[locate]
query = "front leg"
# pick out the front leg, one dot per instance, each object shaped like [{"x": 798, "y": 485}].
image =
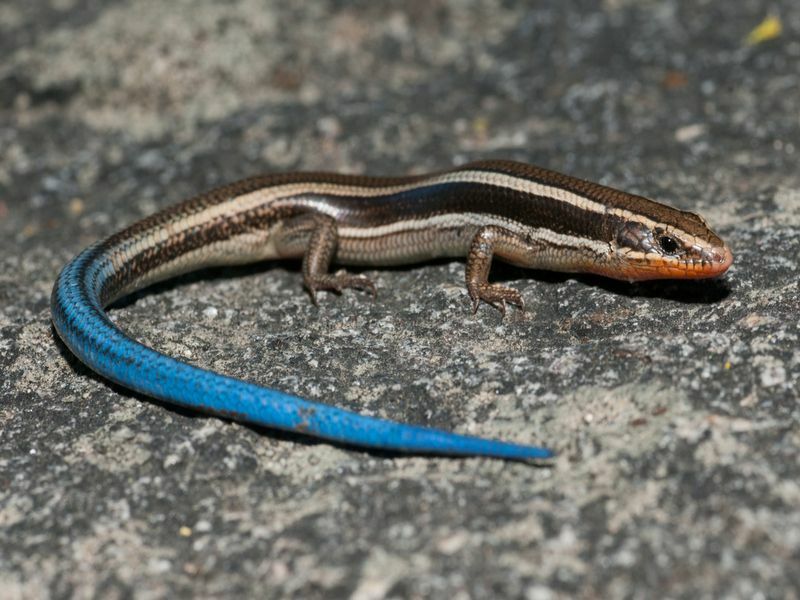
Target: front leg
[{"x": 488, "y": 242}]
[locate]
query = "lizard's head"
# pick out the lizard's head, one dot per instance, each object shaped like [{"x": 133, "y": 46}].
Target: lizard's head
[{"x": 666, "y": 244}]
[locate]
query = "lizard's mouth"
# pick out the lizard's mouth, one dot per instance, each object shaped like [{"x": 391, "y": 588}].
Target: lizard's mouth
[{"x": 705, "y": 264}]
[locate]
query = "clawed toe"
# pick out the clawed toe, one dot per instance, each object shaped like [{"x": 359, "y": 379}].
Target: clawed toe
[
  {"x": 497, "y": 295},
  {"x": 338, "y": 282}
]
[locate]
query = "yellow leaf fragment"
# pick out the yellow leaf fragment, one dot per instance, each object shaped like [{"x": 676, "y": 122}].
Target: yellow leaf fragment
[{"x": 770, "y": 28}]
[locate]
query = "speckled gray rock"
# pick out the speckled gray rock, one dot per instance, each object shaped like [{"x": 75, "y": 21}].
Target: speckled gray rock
[{"x": 674, "y": 407}]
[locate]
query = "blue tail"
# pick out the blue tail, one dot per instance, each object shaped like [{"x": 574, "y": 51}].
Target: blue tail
[{"x": 91, "y": 336}]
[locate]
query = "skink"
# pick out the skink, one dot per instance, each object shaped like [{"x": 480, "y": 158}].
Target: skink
[{"x": 514, "y": 212}]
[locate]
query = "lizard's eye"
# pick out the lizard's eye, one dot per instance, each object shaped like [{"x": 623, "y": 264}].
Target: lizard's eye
[{"x": 668, "y": 244}]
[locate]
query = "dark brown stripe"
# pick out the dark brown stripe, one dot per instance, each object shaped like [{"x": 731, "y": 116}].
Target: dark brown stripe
[
  {"x": 217, "y": 230},
  {"x": 457, "y": 198},
  {"x": 638, "y": 205}
]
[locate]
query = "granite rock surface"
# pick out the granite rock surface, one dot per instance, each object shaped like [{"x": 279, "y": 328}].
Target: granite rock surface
[{"x": 674, "y": 408}]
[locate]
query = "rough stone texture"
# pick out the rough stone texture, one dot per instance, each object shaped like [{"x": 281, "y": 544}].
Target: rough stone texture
[{"x": 674, "y": 407}]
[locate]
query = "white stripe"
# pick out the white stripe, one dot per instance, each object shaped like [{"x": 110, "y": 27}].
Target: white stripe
[
  {"x": 246, "y": 202},
  {"x": 447, "y": 220},
  {"x": 444, "y": 220},
  {"x": 257, "y": 246}
]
